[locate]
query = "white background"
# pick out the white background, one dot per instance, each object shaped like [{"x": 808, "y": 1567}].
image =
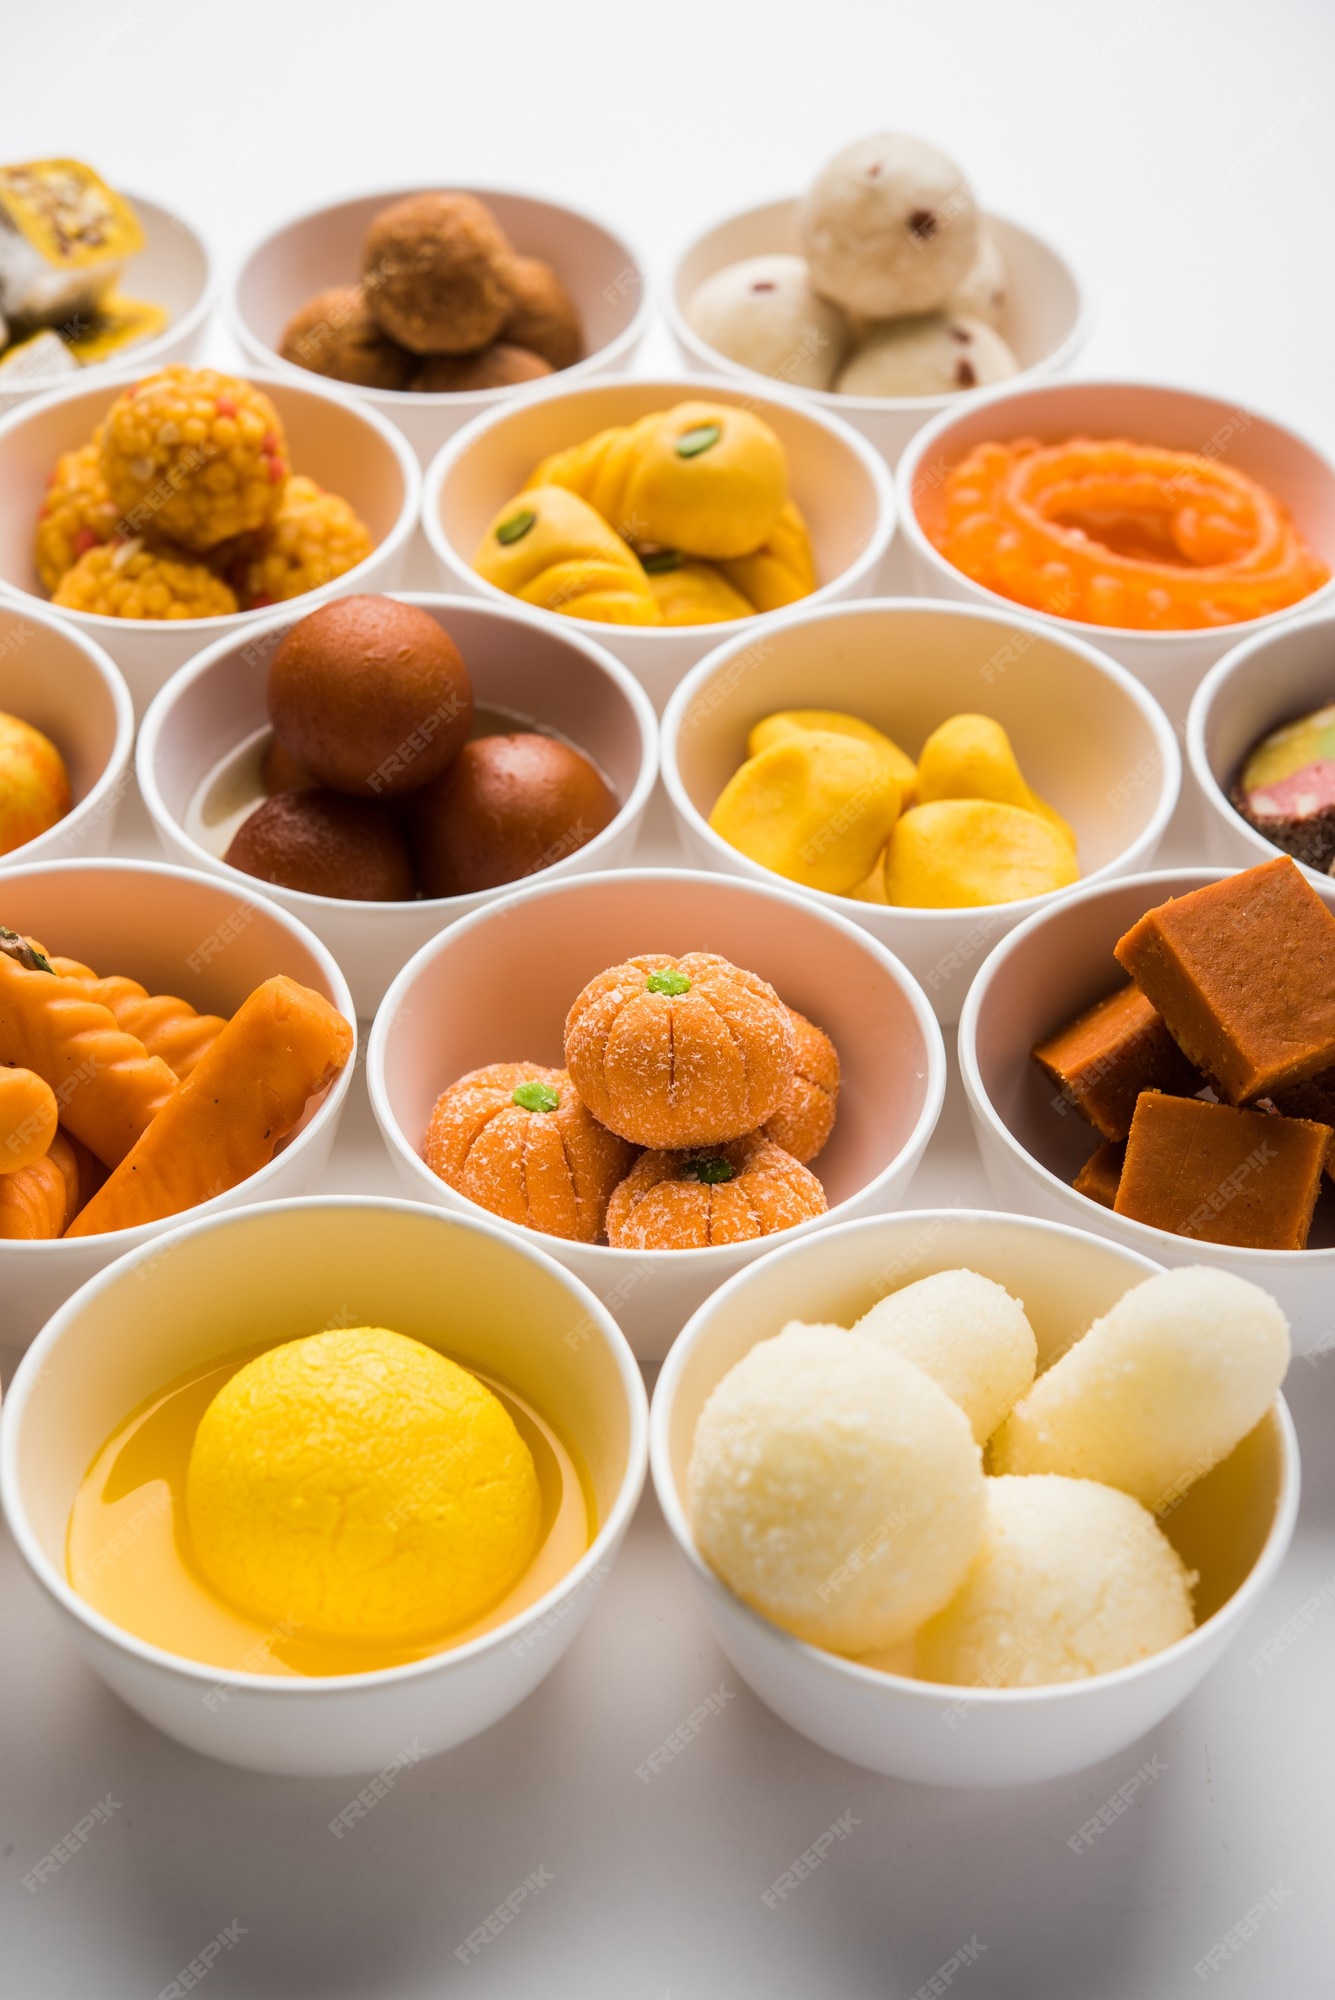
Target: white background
[{"x": 1184, "y": 153}]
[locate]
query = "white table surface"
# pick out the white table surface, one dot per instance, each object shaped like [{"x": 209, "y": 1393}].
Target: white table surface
[{"x": 1183, "y": 151}]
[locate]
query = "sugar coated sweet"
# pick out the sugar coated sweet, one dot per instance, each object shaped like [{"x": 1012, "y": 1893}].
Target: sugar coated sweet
[
  {"x": 889, "y": 226},
  {"x": 968, "y": 1334},
  {"x": 765, "y": 313}
]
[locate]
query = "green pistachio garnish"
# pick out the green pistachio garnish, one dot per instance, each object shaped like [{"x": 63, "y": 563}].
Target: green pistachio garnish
[
  {"x": 25, "y": 954},
  {"x": 535, "y": 1096},
  {"x": 691, "y": 443},
  {"x": 515, "y": 527},
  {"x": 659, "y": 561},
  {"x": 667, "y": 982},
  {"x": 712, "y": 1172}
]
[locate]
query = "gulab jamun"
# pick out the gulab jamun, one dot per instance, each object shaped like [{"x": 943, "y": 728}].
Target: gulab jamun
[
  {"x": 499, "y": 366},
  {"x": 325, "y": 844},
  {"x": 280, "y": 772},
  {"x": 370, "y": 696},
  {"x": 438, "y": 273},
  {"x": 506, "y": 807}
]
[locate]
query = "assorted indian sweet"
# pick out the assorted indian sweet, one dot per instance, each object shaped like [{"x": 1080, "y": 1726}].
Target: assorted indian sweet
[
  {"x": 1210, "y": 1078},
  {"x": 444, "y": 303},
  {"x": 382, "y": 780},
  {"x": 912, "y": 1493},
  {"x": 900, "y": 288},
  {"x": 681, "y": 518},
  {"x": 34, "y": 783},
  {"x": 337, "y": 1503},
  {"x": 65, "y": 240},
  {"x": 829, "y": 801},
  {"x": 183, "y": 504},
  {"x": 1111, "y": 531},
  {"x": 156, "y": 1107},
  {"x": 691, "y": 1104},
  {"x": 1286, "y": 788}
]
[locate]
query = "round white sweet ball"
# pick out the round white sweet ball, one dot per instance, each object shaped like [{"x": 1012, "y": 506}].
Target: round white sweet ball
[
  {"x": 764, "y": 314},
  {"x": 984, "y": 289},
  {"x": 889, "y": 226},
  {"x": 834, "y": 1487},
  {"x": 929, "y": 356},
  {"x": 968, "y": 1334}
]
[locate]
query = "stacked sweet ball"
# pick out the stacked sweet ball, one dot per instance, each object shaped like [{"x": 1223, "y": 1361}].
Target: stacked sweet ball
[
  {"x": 1211, "y": 1077},
  {"x": 899, "y": 290},
  {"x": 376, "y": 791},
  {"x": 120, "y": 1107},
  {"x": 34, "y": 783},
  {"x": 690, "y": 1105},
  {"x": 907, "y": 1494},
  {"x": 827, "y": 800},
  {"x": 184, "y": 505},
  {"x": 444, "y": 303},
  {"x": 682, "y": 518}
]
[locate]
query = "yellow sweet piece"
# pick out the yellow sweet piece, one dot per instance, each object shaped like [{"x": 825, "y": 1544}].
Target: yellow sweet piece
[
  {"x": 127, "y": 579},
  {"x": 550, "y": 548},
  {"x": 600, "y": 468},
  {"x": 815, "y": 807},
  {"x": 119, "y": 322},
  {"x": 782, "y": 569},
  {"x": 694, "y": 593},
  {"x": 961, "y": 853},
  {"x": 193, "y": 456},
  {"x": 77, "y": 514},
  {"x": 873, "y": 889},
  {"x": 311, "y": 538},
  {"x": 786, "y": 722},
  {"x": 360, "y": 1485},
  {"x": 970, "y": 757}
]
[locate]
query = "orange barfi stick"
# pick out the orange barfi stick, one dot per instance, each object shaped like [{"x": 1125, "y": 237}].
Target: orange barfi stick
[
  {"x": 166, "y": 1026},
  {"x": 34, "y": 1202},
  {"x": 107, "y": 1085},
  {"x": 282, "y": 1047},
  {"x": 28, "y": 1114}
]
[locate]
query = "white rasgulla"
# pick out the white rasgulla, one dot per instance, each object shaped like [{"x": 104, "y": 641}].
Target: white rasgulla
[
  {"x": 1158, "y": 1391},
  {"x": 928, "y": 356},
  {"x": 835, "y": 1488},
  {"x": 764, "y": 314},
  {"x": 968, "y": 1334},
  {"x": 889, "y": 226},
  {"x": 1072, "y": 1579}
]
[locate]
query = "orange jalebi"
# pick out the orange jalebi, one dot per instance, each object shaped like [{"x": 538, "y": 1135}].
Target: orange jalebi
[{"x": 1116, "y": 533}]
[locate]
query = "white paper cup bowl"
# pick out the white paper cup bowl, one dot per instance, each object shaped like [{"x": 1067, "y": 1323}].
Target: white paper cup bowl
[
  {"x": 1047, "y": 971},
  {"x": 174, "y": 269},
  {"x": 1234, "y": 1526},
  {"x": 65, "y": 685},
  {"x": 1271, "y": 679},
  {"x": 1046, "y": 321},
  {"x": 269, "y": 1273},
  {"x": 176, "y": 932},
  {"x": 346, "y": 447},
  {"x": 497, "y": 988},
  {"x": 836, "y": 479},
  {"x": 1089, "y": 739},
  {"x": 1170, "y": 664},
  {"x": 517, "y": 661},
  {"x": 323, "y": 248}
]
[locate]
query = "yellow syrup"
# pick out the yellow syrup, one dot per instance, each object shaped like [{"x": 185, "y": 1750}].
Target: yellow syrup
[{"x": 128, "y": 1550}]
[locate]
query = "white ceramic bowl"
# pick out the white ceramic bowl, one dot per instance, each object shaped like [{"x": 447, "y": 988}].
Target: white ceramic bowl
[
  {"x": 1056, "y": 964},
  {"x": 1088, "y": 738},
  {"x": 1271, "y": 679},
  {"x": 267, "y": 1273},
  {"x": 497, "y": 987},
  {"x": 344, "y": 445},
  {"x": 1170, "y": 663},
  {"x": 176, "y": 932},
  {"x": 517, "y": 661},
  {"x": 836, "y": 478},
  {"x": 174, "y": 270},
  {"x": 65, "y": 685},
  {"x": 1046, "y": 321},
  {"x": 324, "y": 247},
  {"x": 1233, "y": 1526}
]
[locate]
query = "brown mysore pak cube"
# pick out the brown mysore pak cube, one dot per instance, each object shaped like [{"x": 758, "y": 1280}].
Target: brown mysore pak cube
[
  {"x": 1101, "y": 1173},
  {"x": 1220, "y": 1174},
  {"x": 1243, "y": 973},
  {"x": 1103, "y": 1059}
]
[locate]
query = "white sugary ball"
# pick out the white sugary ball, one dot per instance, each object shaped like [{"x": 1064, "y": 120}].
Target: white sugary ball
[
  {"x": 984, "y": 289},
  {"x": 889, "y": 226},
  {"x": 968, "y": 1334},
  {"x": 929, "y": 356},
  {"x": 1158, "y": 1391},
  {"x": 764, "y": 314},
  {"x": 1072, "y": 1579},
  {"x": 836, "y": 1488}
]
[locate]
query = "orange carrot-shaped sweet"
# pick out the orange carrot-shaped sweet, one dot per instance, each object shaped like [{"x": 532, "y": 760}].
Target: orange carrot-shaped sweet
[
  {"x": 106, "y": 1083},
  {"x": 166, "y": 1026},
  {"x": 34, "y": 1202},
  {"x": 84, "y": 1172},
  {"x": 28, "y": 1114},
  {"x": 282, "y": 1046}
]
